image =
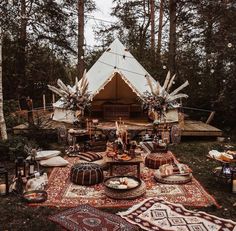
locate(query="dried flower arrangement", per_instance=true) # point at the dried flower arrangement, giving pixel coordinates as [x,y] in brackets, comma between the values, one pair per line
[159,100]
[75,98]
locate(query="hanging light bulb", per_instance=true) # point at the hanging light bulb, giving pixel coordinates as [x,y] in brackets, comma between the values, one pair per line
[164,67]
[82,57]
[212,71]
[199,83]
[224,80]
[229,45]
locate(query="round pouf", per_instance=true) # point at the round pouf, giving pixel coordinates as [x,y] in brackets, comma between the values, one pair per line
[155,160]
[126,194]
[86,174]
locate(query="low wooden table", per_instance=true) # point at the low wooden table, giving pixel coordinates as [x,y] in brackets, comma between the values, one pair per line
[77,133]
[135,161]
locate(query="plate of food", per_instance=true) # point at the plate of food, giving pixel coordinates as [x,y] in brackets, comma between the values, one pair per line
[172,179]
[124,157]
[35,196]
[122,182]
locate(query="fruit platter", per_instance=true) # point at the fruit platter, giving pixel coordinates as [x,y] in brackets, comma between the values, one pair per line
[122,182]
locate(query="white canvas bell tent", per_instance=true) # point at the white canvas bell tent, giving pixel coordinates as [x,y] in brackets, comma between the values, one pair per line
[116,79]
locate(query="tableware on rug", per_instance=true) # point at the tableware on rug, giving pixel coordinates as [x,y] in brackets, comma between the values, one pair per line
[35,196]
[122,182]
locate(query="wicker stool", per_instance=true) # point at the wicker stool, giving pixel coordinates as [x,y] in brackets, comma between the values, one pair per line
[155,160]
[86,174]
[126,194]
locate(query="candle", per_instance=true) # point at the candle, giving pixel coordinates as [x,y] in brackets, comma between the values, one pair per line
[53,98]
[3,188]
[234,186]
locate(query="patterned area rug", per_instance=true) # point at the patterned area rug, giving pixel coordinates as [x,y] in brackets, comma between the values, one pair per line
[87,218]
[154,214]
[63,193]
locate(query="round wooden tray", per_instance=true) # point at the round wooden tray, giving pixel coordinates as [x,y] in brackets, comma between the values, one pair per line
[117,178]
[127,194]
[173,179]
[35,196]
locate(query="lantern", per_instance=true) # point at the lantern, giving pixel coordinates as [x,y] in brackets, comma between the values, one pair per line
[233,180]
[4,187]
[31,163]
[95,122]
[20,166]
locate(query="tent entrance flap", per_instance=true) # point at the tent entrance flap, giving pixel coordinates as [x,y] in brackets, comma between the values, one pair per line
[117,91]
[117,99]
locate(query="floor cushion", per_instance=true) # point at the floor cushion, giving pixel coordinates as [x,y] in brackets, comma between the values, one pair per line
[90,156]
[155,160]
[56,161]
[46,154]
[86,174]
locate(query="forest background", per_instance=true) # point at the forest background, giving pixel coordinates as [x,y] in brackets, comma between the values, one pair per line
[194,39]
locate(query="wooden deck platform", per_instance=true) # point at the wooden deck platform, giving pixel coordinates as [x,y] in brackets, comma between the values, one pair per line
[190,129]
[198,128]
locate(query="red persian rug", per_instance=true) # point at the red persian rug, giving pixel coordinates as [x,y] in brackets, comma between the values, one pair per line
[154,214]
[63,193]
[87,218]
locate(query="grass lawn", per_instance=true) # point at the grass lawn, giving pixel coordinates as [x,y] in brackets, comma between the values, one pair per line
[16,215]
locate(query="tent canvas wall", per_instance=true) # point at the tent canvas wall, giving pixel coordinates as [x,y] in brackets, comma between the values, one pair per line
[116,81]
[116,78]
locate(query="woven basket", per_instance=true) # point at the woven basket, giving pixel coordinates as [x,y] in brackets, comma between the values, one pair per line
[155,160]
[126,194]
[173,179]
[86,174]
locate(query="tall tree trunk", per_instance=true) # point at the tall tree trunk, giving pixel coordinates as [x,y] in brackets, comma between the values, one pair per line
[159,38]
[3,128]
[80,38]
[172,36]
[21,56]
[152,14]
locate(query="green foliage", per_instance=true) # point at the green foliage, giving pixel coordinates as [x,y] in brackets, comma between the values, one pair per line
[11,118]
[205,54]
[13,147]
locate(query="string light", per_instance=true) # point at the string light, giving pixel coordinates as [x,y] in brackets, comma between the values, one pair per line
[123,56]
[122,69]
[164,67]
[212,71]
[229,45]
[199,83]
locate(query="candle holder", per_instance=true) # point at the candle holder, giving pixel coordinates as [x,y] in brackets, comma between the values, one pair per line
[233,180]
[20,166]
[4,186]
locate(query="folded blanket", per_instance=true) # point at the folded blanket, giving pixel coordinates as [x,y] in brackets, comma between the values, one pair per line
[89,156]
